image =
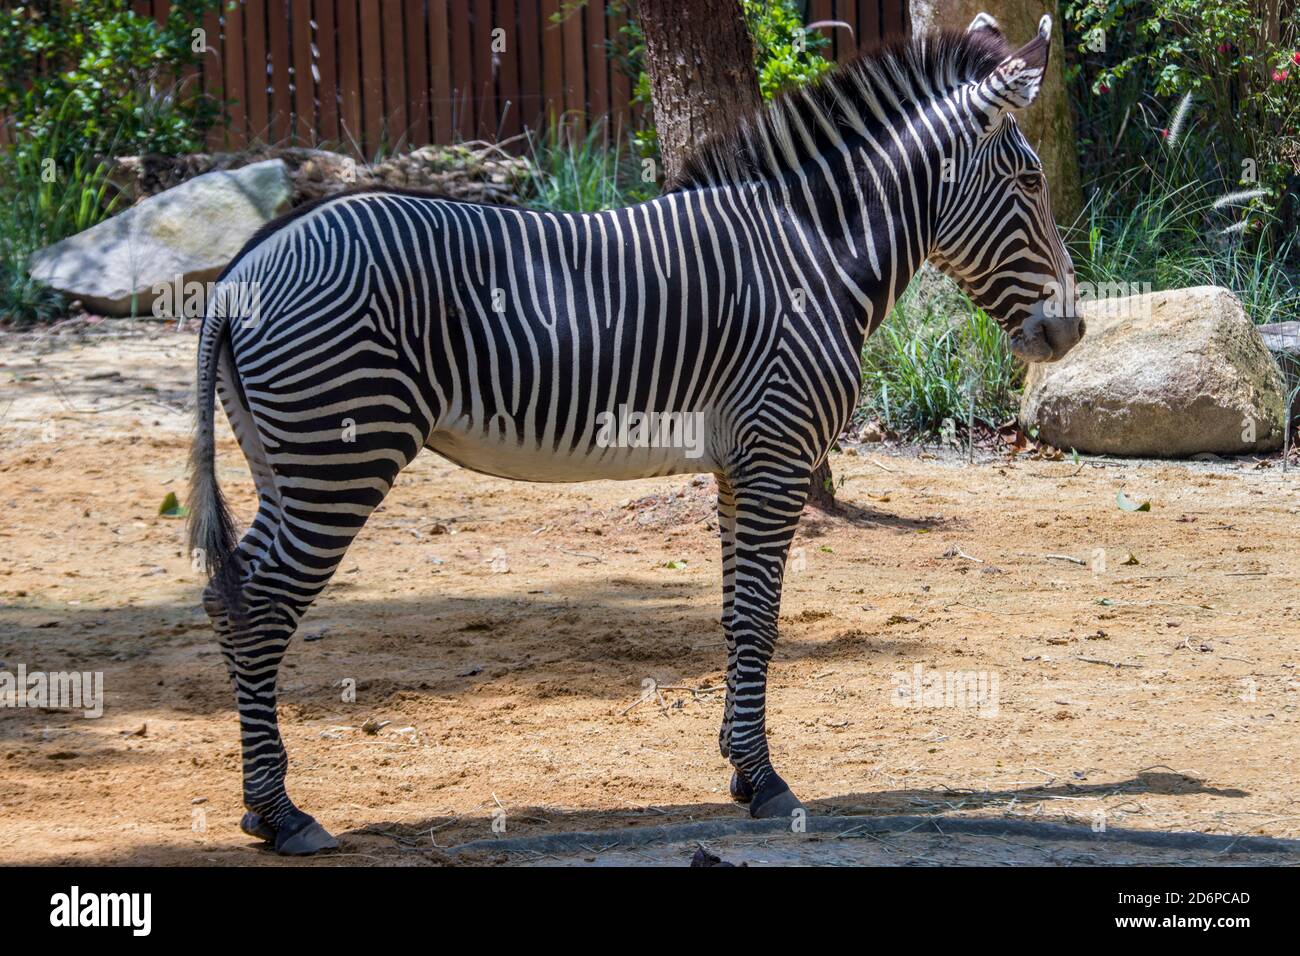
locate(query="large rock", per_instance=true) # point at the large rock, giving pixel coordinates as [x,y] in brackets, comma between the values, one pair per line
[121,265]
[1165,374]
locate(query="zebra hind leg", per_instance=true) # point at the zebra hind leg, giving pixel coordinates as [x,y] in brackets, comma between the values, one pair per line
[286,563]
[767,514]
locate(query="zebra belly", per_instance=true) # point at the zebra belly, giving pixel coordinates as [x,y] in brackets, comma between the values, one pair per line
[504,457]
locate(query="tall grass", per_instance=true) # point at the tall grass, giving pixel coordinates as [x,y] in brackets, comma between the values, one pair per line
[41,203]
[927,368]
[1172,235]
[585,172]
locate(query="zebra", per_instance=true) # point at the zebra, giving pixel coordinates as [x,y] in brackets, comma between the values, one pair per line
[385,322]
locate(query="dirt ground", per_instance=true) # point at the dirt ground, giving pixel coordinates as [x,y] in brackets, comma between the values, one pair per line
[1140,667]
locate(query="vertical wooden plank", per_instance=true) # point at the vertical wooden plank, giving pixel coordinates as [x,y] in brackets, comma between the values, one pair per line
[349,82]
[575,76]
[327,77]
[869,23]
[840,48]
[417,73]
[393,70]
[597,63]
[461,46]
[236,80]
[440,104]
[892,23]
[255,61]
[281,60]
[484,92]
[305,124]
[822,10]
[529,41]
[552,60]
[372,80]
[509,107]
[210,69]
[620,86]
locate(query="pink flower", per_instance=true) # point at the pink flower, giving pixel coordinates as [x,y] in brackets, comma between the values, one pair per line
[1103,89]
[1295,57]
[1279,76]
[1164,134]
[1223,48]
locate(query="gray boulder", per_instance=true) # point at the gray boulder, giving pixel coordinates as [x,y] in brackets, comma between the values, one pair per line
[122,265]
[1166,374]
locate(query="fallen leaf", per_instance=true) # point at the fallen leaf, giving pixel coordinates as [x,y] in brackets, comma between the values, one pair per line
[171,507]
[1127,504]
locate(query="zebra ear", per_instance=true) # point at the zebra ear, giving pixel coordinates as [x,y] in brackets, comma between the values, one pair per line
[984,21]
[1015,82]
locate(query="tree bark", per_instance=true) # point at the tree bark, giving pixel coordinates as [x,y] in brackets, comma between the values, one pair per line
[701,64]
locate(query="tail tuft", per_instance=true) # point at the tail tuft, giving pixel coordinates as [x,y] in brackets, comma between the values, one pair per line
[212,532]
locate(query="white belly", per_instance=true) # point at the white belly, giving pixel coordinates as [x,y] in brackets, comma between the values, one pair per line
[620,458]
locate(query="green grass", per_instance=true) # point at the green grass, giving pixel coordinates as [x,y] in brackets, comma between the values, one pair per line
[1145,227]
[40,204]
[928,363]
[577,172]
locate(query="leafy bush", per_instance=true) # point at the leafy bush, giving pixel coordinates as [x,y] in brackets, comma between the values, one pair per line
[1236,66]
[924,366]
[42,202]
[109,77]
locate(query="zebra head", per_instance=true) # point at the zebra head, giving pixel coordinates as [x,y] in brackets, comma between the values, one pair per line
[996,236]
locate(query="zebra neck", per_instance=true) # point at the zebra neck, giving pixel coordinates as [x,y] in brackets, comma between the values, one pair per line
[855,225]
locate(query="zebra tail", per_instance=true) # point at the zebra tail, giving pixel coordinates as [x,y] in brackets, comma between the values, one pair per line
[212,532]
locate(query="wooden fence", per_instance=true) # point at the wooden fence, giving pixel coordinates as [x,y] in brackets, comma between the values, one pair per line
[371,73]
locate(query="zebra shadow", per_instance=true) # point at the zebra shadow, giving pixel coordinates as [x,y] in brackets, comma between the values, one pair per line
[439,838]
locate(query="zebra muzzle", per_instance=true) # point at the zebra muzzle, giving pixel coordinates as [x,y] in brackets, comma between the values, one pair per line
[1041,338]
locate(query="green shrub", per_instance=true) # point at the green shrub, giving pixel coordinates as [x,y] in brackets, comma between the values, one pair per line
[43,200]
[578,172]
[105,74]
[927,364]
[1238,76]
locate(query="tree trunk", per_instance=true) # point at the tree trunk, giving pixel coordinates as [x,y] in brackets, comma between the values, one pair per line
[1049,123]
[701,64]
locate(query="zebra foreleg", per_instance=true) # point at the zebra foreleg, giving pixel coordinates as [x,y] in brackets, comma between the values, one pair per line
[767,514]
[741,790]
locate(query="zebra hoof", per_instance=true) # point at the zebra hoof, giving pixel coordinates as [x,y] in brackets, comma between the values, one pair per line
[742,791]
[256,827]
[780,805]
[302,837]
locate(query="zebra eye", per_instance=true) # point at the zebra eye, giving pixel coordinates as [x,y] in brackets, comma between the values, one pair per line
[1030,181]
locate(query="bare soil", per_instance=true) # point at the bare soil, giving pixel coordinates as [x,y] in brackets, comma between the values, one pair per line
[498,636]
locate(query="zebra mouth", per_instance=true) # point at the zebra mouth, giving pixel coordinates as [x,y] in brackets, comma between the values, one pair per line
[1040,339]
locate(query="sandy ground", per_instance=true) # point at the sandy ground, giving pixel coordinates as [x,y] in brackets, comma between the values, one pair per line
[498,636]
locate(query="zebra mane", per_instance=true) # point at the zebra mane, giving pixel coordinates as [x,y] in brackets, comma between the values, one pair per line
[790,129]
